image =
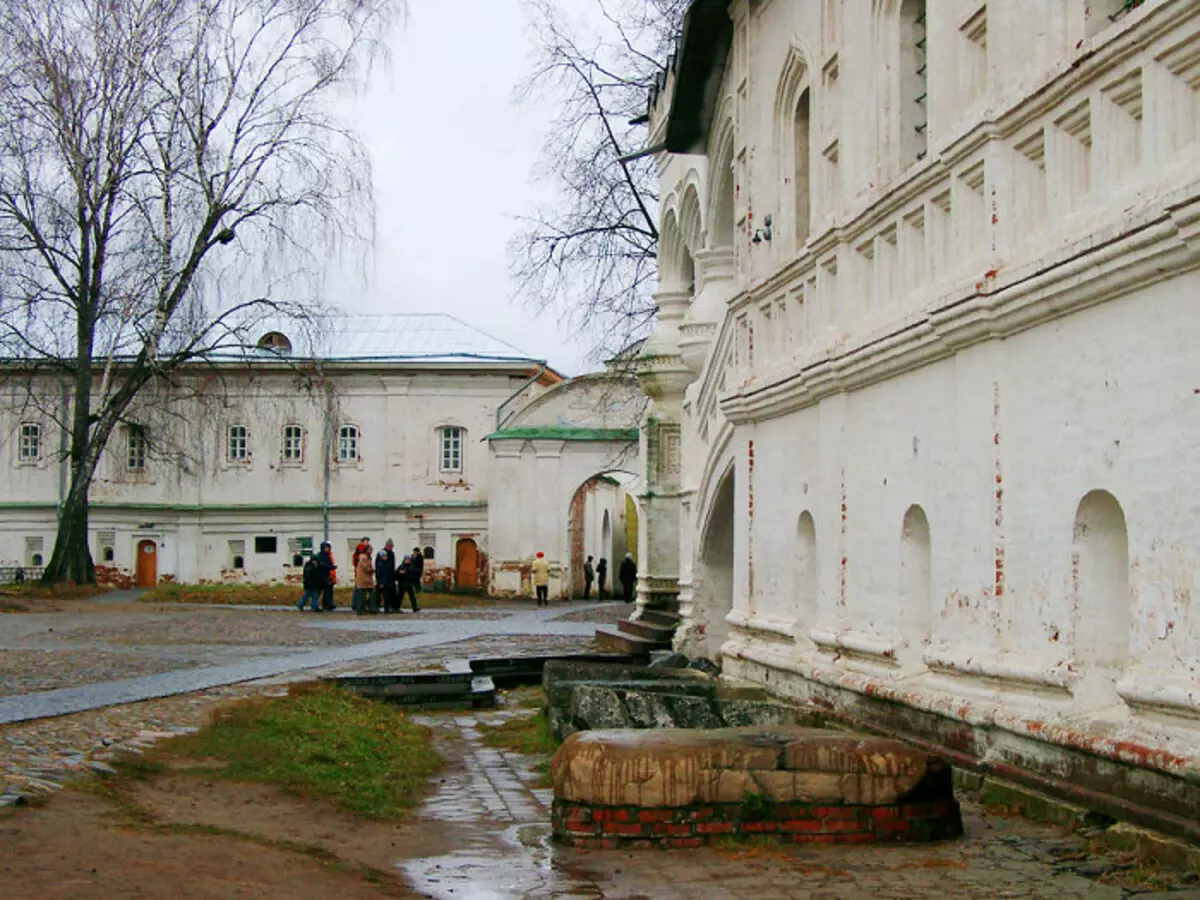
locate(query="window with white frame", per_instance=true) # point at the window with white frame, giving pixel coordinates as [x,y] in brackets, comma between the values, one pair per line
[347,447]
[452,448]
[31,442]
[293,444]
[137,448]
[237,444]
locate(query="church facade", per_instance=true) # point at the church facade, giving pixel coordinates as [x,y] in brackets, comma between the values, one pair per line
[924,402]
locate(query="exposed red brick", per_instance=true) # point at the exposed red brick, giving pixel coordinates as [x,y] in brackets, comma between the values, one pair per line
[885,812]
[580,827]
[578,814]
[673,829]
[841,826]
[760,827]
[684,842]
[801,825]
[715,828]
[629,829]
[613,815]
[814,838]
[656,815]
[836,812]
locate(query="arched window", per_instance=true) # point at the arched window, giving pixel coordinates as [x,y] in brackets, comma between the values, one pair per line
[802,131]
[276,341]
[914,83]
[794,127]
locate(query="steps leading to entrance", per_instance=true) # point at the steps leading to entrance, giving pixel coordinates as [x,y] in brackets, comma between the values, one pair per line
[653,631]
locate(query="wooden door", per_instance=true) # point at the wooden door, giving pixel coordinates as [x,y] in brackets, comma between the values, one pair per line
[147,564]
[466,556]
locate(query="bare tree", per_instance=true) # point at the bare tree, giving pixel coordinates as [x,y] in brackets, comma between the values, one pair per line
[149,151]
[589,253]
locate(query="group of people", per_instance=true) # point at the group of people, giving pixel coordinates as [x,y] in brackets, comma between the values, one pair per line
[598,573]
[378,579]
[627,575]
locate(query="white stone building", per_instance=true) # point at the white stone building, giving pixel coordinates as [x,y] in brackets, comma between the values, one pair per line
[565,471]
[927,350]
[252,461]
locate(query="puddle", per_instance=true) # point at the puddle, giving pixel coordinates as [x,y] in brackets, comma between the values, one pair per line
[501,822]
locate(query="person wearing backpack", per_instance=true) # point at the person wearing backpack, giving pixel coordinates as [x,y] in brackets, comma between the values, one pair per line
[312,589]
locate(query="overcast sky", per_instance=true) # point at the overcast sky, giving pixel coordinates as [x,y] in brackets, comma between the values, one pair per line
[453,155]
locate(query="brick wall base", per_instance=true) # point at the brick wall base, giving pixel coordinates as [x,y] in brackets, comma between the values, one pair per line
[626,827]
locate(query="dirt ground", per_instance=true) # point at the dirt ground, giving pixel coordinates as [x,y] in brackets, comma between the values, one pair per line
[182,835]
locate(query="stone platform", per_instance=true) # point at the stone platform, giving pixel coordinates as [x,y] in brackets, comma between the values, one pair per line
[683,788]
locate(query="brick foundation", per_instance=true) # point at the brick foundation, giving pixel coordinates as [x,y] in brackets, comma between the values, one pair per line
[627,827]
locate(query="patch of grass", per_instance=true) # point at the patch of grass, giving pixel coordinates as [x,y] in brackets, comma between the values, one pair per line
[525,698]
[524,734]
[320,742]
[289,595]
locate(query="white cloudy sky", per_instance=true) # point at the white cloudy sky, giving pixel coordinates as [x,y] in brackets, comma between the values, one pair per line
[452,155]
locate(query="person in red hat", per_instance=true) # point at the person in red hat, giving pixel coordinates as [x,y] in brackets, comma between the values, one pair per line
[541,579]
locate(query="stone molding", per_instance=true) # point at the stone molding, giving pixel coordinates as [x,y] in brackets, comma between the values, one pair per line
[1116,260]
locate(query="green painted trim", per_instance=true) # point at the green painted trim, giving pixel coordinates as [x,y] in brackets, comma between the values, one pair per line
[563,433]
[257,507]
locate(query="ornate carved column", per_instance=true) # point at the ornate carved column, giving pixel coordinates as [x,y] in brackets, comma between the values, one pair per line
[714,286]
[664,378]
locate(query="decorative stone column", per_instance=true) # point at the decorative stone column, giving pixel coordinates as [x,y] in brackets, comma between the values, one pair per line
[664,378]
[714,286]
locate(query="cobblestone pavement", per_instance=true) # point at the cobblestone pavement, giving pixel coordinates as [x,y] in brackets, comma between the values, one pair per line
[501,823]
[353,638]
[38,753]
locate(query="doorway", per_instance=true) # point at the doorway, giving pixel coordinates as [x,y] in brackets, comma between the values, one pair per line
[466,564]
[147,564]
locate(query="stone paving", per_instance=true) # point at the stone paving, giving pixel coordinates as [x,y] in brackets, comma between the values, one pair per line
[194,659]
[367,638]
[504,850]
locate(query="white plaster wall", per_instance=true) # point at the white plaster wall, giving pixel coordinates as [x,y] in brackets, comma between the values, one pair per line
[396,489]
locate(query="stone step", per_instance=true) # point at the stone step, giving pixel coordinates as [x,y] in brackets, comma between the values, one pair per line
[660,617]
[617,641]
[649,630]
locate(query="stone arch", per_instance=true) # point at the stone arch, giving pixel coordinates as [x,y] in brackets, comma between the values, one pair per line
[712,582]
[721,206]
[901,120]
[794,116]
[806,573]
[596,508]
[691,223]
[675,268]
[916,586]
[1100,603]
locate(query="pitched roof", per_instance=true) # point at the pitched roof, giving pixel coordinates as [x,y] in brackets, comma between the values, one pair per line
[434,337]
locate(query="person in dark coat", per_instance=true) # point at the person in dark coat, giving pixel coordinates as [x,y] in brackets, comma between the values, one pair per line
[589,575]
[385,577]
[312,588]
[405,581]
[326,575]
[628,576]
[601,577]
[418,568]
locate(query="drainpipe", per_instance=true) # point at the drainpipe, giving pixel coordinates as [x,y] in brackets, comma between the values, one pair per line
[63,451]
[326,455]
[638,154]
[510,397]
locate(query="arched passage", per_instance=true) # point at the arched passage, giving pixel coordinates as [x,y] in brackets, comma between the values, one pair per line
[713,579]
[916,585]
[1100,594]
[598,525]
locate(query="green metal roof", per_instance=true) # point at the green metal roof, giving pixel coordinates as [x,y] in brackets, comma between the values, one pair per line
[563,433]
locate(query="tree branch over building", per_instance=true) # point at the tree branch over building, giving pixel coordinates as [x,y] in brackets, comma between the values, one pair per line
[588,252]
[151,153]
